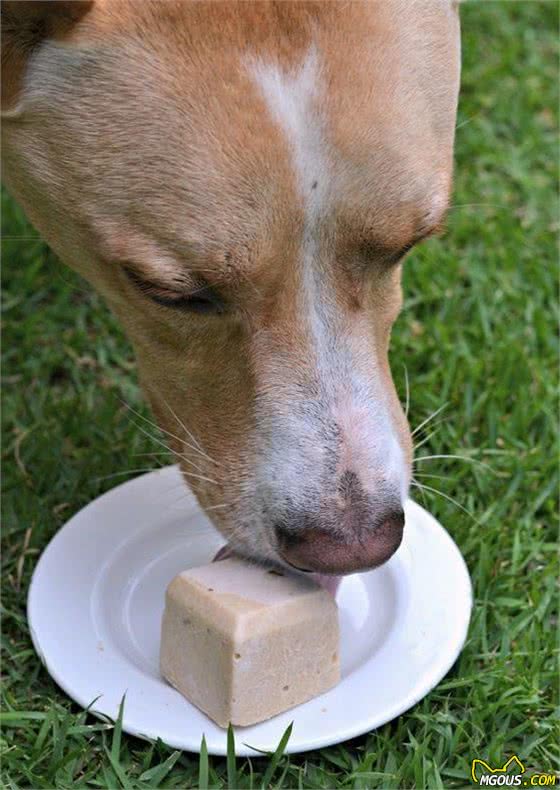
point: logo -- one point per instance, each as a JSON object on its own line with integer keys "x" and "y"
{"x": 511, "y": 774}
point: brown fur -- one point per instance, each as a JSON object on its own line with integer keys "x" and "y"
{"x": 136, "y": 138}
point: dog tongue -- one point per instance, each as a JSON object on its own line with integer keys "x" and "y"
{"x": 329, "y": 583}
{"x": 223, "y": 553}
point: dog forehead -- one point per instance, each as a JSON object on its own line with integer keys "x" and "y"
{"x": 376, "y": 174}
{"x": 244, "y": 143}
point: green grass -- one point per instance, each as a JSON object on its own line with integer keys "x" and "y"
{"x": 477, "y": 333}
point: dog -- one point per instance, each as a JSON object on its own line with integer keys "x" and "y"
{"x": 242, "y": 181}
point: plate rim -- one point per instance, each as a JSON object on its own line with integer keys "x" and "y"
{"x": 426, "y": 683}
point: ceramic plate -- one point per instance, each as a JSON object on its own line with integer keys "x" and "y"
{"x": 97, "y": 596}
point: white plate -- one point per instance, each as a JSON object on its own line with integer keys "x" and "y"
{"x": 97, "y": 595}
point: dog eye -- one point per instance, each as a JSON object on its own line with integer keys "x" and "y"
{"x": 396, "y": 257}
{"x": 382, "y": 255}
{"x": 203, "y": 300}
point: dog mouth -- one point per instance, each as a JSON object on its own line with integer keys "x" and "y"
{"x": 329, "y": 582}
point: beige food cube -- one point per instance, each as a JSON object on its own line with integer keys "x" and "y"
{"x": 244, "y": 643}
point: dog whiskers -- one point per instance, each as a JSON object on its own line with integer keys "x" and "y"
{"x": 191, "y": 436}
{"x": 172, "y": 453}
{"x": 456, "y": 458}
{"x": 199, "y": 477}
{"x": 467, "y": 120}
{"x": 425, "y": 439}
{"x": 406, "y": 390}
{"x": 453, "y": 501}
{"x": 162, "y": 444}
{"x": 151, "y": 469}
{"x": 125, "y": 472}
{"x": 168, "y": 433}
{"x": 431, "y": 474}
{"x": 154, "y": 454}
{"x": 428, "y": 419}
{"x": 479, "y": 205}
{"x": 193, "y": 475}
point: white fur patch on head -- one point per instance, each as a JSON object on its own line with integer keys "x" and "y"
{"x": 350, "y": 402}
{"x": 293, "y": 100}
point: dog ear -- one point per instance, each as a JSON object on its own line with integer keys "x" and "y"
{"x": 25, "y": 24}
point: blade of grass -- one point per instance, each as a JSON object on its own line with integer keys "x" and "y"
{"x": 203, "y": 765}
{"x": 156, "y": 774}
{"x": 280, "y": 783}
{"x": 231, "y": 771}
{"x": 117, "y": 733}
{"x": 43, "y": 732}
{"x": 276, "y": 757}
{"x": 119, "y": 770}
{"x": 15, "y": 717}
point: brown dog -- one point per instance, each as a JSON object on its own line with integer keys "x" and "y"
{"x": 241, "y": 180}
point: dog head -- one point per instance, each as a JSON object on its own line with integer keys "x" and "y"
{"x": 242, "y": 181}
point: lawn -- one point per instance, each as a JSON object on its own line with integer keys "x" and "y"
{"x": 477, "y": 334}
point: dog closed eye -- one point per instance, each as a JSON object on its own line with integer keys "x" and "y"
{"x": 203, "y": 299}
{"x": 371, "y": 252}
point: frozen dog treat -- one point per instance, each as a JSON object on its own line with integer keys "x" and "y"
{"x": 244, "y": 643}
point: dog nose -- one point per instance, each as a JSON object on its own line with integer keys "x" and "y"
{"x": 323, "y": 551}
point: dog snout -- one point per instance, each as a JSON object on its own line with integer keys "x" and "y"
{"x": 315, "y": 548}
